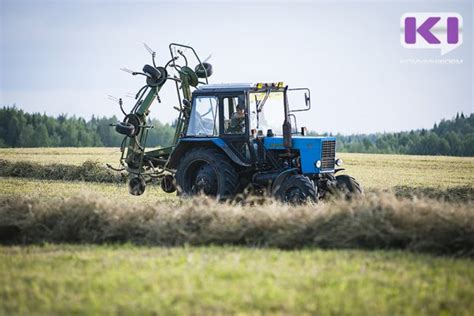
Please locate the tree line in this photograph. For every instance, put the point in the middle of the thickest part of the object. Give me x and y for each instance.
(21, 129)
(454, 137)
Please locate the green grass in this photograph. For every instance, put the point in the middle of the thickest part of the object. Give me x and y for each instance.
(225, 280)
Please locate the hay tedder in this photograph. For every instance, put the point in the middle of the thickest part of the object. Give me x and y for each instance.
(229, 138)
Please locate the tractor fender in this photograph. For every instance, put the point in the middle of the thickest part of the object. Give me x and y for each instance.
(186, 144)
(281, 178)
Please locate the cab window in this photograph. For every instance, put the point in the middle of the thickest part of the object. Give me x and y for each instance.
(204, 120)
(234, 114)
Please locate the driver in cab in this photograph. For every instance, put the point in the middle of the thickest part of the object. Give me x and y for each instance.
(237, 120)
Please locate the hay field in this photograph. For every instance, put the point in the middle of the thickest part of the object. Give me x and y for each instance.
(90, 248)
(374, 171)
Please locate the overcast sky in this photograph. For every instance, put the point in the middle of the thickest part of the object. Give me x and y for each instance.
(64, 56)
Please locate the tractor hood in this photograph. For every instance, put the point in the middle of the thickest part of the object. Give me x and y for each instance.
(317, 154)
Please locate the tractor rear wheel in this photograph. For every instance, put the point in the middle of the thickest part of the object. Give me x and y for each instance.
(206, 171)
(348, 186)
(297, 189)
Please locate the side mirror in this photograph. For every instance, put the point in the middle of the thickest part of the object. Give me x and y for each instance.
(307, 100)
(297, 94)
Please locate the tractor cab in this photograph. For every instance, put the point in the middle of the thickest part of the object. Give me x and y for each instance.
(244, 110)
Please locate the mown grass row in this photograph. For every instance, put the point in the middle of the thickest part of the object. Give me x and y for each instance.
(452, 194)
(378, 221)
(89, 171)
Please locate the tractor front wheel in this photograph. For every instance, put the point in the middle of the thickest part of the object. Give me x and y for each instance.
(348, 186)
(297, 190)
(206, 171)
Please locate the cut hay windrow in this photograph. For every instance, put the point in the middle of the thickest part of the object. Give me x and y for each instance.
(378, 221)
(452, 194)
(89, 171)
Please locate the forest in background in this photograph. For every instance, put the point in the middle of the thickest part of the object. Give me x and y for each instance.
(452, 137)
(21, 129)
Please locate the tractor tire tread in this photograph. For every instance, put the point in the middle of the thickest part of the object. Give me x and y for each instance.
(351, 183)
(303, 181)
(222, 164)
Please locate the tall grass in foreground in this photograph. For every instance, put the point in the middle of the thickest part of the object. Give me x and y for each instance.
(378, 221)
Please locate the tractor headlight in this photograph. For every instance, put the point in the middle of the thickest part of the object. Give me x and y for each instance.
(318, 164)
(339, 162)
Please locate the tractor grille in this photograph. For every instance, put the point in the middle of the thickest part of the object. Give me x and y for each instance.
(328, 155)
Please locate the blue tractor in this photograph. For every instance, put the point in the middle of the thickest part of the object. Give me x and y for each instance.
(229, 138)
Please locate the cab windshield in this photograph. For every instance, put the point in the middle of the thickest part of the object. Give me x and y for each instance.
(267, 111)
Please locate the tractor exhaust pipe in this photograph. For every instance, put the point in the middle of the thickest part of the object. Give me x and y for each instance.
(286, 124)
(287, 134)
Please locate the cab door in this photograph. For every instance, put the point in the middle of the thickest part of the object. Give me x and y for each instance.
(234, 127)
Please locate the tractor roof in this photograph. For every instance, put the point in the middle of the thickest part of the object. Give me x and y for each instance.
(226, 86)
(231, 87)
